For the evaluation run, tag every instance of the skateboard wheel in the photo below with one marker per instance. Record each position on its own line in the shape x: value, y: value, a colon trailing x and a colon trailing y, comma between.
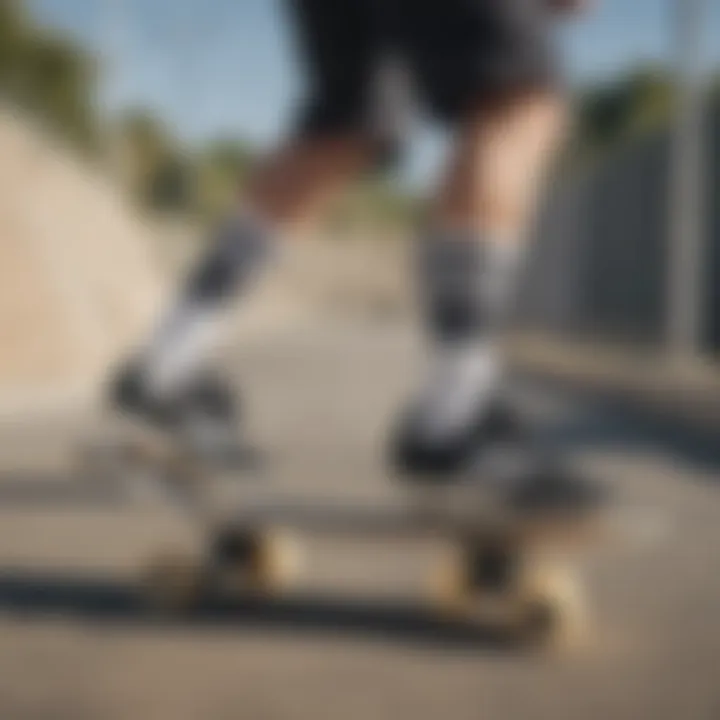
x: 258, y: 561
x: 449, y: 588
x: 534, y: 607
x: 468, y: 574
x: 550, y: 611
x: 174, y: 583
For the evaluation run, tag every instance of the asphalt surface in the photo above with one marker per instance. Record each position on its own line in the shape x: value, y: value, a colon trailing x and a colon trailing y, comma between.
x: 355, y: 642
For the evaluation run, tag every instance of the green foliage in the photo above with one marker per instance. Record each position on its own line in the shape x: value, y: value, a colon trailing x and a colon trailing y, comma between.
x: 56, y: 85
x: 158, y: 172
x: 230, y: 155
x: 46, y: 75
x: 12, y: 45
x: 145, y: 138
x: 377, y: 206
x: 222, y: 168
x: 635, y: 105
x: 52, y: 78
x: 173, y: 185
x: 166, y: 176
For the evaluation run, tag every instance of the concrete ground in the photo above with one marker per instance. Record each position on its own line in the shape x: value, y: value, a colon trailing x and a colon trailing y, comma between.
x: 355, y: 643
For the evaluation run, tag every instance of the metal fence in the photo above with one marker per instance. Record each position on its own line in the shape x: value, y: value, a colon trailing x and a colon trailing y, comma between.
x: 599, y: 267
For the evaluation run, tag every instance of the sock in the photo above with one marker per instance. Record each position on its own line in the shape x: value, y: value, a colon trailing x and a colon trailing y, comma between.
x: 467, y: 284
x: 192, y: 330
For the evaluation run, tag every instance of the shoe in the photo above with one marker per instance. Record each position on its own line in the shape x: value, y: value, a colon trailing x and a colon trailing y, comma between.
x: 414, y: 457
x: 499, y: 455
x: 204, y: 417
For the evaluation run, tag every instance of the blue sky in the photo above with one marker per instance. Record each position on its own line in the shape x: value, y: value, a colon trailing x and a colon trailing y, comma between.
x: 227, y: 66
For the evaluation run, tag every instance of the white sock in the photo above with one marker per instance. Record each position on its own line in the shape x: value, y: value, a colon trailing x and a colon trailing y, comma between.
x: 191, y: 332
x: 184, y: 342
x: 469, y: 287
x: 460, y: 380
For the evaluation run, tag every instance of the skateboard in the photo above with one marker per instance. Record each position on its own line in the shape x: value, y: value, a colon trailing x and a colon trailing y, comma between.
x: 513, y: 573
x: 515, y: 576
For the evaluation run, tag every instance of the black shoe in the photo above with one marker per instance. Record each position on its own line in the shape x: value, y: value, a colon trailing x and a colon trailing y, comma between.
x: 500, y: 454
x: 204, y: 417
x: 206, y: 396
x: 416, y: 459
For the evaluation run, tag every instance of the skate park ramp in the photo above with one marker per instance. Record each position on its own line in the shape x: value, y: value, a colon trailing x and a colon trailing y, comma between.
x: 77, y: 278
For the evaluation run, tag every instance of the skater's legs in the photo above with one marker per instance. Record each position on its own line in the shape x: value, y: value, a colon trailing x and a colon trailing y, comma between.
x: 333, y: 141
x: 287, y: 190
x: 293, y: 185
x: 469, y: 259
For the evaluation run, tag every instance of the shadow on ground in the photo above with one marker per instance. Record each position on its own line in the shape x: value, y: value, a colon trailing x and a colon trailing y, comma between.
x: 589, y: 419
x: 34, y: 596
x: 31, y: 488
x: 599, y: 425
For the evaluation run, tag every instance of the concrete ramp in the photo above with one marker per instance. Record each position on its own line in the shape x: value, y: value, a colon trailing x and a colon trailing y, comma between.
x: 78, y: 282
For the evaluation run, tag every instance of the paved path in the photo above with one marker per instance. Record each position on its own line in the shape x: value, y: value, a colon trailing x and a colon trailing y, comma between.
x: 72, y: 645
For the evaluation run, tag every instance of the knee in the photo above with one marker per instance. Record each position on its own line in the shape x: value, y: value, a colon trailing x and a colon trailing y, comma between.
x: 516, y: 108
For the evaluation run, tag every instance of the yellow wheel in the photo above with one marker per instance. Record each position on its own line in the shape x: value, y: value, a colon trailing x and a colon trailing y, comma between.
x: 531, y: 606
x: 449, y: 587
x: 550, y: 611
x: 258, y: 562
x: 474, y: 578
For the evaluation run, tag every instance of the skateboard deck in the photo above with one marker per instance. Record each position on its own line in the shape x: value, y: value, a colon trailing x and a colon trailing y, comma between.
x: 513, y: 571
x: 516, y: 575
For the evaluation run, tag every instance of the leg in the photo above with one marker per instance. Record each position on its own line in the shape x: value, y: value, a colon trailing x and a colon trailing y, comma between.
x: 508, y: 119
x: 331, y: 145
x: 499, y: 158
x: 498, y: 88
x: 468, y: 267
x: 291, y: 187
x: 168, y: 383
x: 470, y: 259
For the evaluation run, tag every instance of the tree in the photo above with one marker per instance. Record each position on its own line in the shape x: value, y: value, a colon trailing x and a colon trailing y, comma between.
x: 635, y: 105
x: 223, y: 168
x: 12, y: 41
x: 155, y: 168
x: 47, y: 76
x: 57, y: 84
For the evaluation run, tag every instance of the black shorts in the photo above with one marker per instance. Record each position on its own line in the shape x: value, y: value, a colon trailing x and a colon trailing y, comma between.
x: 457, y: 52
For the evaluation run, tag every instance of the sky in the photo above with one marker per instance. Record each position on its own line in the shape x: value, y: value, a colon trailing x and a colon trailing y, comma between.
x: 227, y: 67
